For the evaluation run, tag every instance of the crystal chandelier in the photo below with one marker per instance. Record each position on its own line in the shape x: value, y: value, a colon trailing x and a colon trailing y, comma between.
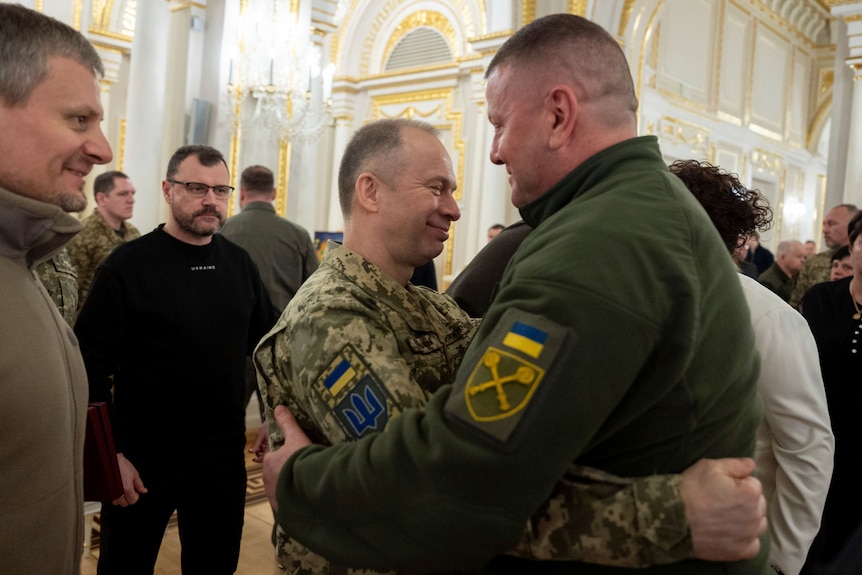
x: 277, y: 78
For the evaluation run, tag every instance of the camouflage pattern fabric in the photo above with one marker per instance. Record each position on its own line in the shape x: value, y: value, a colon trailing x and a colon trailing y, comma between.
x: 413, y: 340
x: 815, y: 271
x: 61, y: 282
x: 596, y: 517
x: 92, y: 245
x: 351, y: 351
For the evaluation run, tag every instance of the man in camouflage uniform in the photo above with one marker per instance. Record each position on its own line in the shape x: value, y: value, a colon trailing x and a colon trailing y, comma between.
x: 358, y: 343
x: 818, y: 267
x: 370, y: 346
x: 58, y: 276
x: 104, y: 229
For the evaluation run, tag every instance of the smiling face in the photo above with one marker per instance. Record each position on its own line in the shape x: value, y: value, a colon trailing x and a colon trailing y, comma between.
x: 418, y: 207
x: 51, y: 142
x: 195, y: 220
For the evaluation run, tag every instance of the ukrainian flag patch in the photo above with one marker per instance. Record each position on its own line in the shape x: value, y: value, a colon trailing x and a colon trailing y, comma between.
x: 501, y: 378
x: 356, y: 397
x: 342, y: 374
x: 526, y: 338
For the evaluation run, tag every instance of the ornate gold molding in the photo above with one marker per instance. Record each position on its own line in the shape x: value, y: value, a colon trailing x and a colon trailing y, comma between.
x: 578, y: 7
x: 121, y: 152
x: 491, y: 36
x: 677, y: 131
x: 528, y: 12
x: 626, y: 13
x: 766, y: 160
x: 102, y: 10
x: 77, y: 14
x: 427, y: 19
x: 283, y: 180
x: 187, y: 5
x: 420, y: 70
x: 105, y: 33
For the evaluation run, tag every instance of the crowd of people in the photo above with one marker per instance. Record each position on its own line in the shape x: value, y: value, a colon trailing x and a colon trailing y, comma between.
x: 545, y: 413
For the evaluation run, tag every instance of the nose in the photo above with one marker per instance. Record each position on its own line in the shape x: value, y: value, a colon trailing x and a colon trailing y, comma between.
x: 449, y: 207
x: 210, y: 197
x: 495, y: 152
x: 97, y: 147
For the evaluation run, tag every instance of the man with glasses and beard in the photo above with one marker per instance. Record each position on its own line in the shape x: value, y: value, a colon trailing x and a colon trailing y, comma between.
x: 168, y: 324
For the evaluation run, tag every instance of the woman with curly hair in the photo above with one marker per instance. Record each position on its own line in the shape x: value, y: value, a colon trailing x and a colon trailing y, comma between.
x: 794, y: 441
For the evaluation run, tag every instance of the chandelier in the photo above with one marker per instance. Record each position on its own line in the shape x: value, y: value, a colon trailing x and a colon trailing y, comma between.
x: 277, y: 77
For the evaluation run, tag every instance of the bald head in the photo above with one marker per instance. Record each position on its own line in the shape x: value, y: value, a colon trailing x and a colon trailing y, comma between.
x: 790, y: 255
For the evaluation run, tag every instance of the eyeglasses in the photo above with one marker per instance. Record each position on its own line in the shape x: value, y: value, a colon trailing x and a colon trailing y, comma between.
x: 199, y: 190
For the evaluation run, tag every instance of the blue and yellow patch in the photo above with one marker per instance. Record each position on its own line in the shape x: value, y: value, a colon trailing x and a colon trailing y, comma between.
x: 353, y: 393
x: 498, y: 382
x: 526, y: 339
x: 500, y: 385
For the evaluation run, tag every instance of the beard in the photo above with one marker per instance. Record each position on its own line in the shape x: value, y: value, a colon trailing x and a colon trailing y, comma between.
x: 72, y: 202
x: 190, y: 223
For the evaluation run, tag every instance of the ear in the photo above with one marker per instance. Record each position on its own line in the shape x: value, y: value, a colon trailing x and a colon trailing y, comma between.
x: 562, y: 103
x: 367, y: 192
x: 166, y: 190
x: 100, y: 199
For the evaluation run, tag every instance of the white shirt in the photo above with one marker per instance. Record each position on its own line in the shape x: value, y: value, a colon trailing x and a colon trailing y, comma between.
x: 795, y: 445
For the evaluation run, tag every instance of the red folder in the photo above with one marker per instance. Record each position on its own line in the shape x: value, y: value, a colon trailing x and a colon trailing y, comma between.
x: 102, y: 479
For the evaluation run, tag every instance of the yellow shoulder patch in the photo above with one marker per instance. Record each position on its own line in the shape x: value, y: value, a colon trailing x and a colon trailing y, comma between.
x: 501, y: 378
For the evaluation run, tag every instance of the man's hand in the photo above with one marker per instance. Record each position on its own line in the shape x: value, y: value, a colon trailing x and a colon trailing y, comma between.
x: 725, y: 507
x: 273, y: 461
x: 132, y: 483
x: 260, y: 446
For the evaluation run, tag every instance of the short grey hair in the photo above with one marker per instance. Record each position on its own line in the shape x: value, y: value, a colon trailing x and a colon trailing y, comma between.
x: 27, y: 40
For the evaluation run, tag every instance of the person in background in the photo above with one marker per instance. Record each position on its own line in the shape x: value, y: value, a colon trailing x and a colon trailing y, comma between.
x: 743, y: 264
x: 165, y: 332
x: 795, y: 444
x: 842, y: 265
x: 104, y: 229
x: 551, y: 380
x: 50, y: 139
x: 818, y: 267
x: 781, y: 275
x: 834, y: 312
x: 475, y: 286
x: 494, y: 231
x: 282, y: 250
x: 425, y: 275
x: 761, y: 257
x: 810, y: 248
